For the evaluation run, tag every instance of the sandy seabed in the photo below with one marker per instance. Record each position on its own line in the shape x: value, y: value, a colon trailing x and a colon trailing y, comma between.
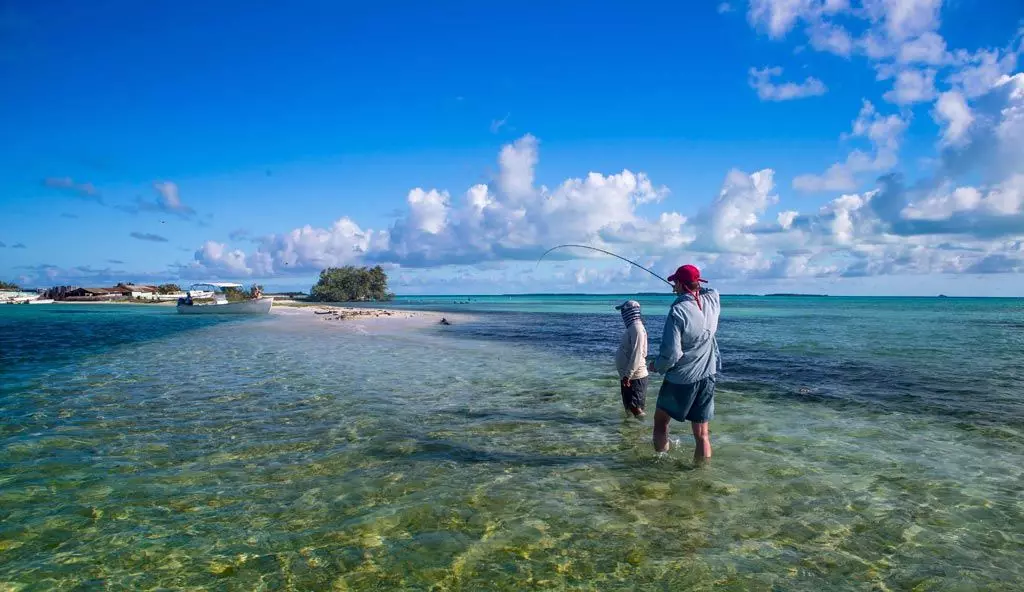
x: 393, y: 319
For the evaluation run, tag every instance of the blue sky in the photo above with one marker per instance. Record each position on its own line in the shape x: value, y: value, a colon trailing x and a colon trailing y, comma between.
x: 179, y: 141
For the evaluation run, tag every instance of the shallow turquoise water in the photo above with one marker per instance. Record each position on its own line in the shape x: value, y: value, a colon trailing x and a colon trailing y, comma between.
x: 860, y: 444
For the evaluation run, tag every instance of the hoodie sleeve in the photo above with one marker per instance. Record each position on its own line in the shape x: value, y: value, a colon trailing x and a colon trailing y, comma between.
x: 671, y: 344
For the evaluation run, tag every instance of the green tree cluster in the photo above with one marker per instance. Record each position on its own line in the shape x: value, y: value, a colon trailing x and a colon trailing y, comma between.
x: 345, y: 284
x: 238, y: 294
x: 9, y: 286
x: 167, y: 289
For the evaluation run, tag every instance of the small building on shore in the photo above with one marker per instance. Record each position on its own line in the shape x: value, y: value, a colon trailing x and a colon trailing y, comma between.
x: 93, y: 294
x: 138, y: 292
x: 123, y: 291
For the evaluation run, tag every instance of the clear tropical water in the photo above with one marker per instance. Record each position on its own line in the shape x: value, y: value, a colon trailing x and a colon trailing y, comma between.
x: 860, y: 444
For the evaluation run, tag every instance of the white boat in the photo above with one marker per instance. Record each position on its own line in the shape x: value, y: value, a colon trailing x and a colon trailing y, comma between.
x: 219, y: 301
x: 10, y: 297
x: 256, y: 306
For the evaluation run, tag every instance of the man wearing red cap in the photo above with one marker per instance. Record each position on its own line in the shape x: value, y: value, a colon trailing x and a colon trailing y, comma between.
x: 689, y: 360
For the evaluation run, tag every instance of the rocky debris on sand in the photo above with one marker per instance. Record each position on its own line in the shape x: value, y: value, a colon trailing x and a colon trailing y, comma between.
x: 340, y: 315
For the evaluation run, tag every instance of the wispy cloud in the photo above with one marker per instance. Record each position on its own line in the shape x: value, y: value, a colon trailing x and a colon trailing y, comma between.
x: 115, y: 261
x: 724, y: 8
x: 239, y: 234
x: 46, y: 274
x: 888, y: 33
x: 71, y: 216
x: 18, y: 246
x: 3, y: 245
x: 68, y: 185
x: 497, y: 124
x: 767, y: 90
x: 167, y: 201
x: 883, y: 132
x: 912, y: 86
x: 145, y: 236
x: 831, y: 38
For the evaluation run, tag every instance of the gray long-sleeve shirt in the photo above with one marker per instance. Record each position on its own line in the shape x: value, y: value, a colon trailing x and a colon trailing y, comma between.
x: 689, y: 349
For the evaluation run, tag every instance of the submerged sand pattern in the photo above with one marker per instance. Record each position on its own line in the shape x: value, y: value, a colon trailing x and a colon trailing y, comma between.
x: 280, y: 455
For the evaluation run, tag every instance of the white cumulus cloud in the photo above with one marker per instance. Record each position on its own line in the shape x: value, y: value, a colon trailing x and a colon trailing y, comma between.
x: 219, y: 259
x: 935, y: 225
x: 831, y: 38
x: 912, y: 86
x: 883, y: 132
x: 993, y: 140
x: 952, y: 112
x: 727, y: 224
x: 929, y: 49
x: 767, y: 90
x: 778, y: 17
x: 904, y: 19
x: 978, y: 72
x: 510, y: 218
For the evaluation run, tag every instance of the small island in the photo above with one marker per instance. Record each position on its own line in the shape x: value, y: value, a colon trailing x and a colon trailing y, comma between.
x: 351, y: 284
x: 357, y: 285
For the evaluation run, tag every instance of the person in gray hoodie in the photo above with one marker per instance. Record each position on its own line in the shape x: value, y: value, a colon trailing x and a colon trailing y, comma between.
x: 631, y: 360
x: 689, y: 360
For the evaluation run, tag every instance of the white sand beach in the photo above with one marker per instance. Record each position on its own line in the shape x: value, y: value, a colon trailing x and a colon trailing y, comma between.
x: 363, y: 317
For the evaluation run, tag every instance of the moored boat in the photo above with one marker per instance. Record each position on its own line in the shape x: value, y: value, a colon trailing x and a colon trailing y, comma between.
x: 15, y: 297
x: 219, y: 304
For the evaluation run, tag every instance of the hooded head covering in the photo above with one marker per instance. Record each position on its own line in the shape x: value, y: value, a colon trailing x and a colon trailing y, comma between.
x: 630, y: 311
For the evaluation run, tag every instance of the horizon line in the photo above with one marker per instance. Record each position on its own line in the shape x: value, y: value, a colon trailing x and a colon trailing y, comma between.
x: 744, y: 294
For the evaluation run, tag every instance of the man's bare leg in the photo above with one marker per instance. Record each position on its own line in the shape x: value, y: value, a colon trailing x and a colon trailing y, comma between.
x: 661, y: 419
x: 702, y: 437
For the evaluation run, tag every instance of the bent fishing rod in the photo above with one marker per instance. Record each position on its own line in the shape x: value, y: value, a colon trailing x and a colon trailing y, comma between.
x: 606, y: 253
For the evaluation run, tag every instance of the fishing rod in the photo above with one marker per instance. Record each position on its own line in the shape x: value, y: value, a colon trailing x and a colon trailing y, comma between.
x: 606, y: 253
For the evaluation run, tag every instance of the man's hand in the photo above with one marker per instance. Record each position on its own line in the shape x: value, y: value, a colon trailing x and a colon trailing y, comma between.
x: 625, y: 381
x: 650, y: 367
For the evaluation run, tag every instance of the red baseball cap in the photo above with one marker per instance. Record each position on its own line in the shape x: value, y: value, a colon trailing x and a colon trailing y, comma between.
x: 687, y: 274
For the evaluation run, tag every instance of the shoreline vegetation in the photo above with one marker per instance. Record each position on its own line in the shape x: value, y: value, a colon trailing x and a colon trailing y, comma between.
x: 327, y: 299
x: 351, y: 284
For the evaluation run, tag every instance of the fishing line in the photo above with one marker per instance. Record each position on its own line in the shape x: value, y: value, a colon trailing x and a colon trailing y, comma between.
x: 606, y: 253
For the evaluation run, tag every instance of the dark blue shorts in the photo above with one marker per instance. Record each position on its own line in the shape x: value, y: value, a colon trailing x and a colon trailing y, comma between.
x: 688, y: 402
x: 634, y: 397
